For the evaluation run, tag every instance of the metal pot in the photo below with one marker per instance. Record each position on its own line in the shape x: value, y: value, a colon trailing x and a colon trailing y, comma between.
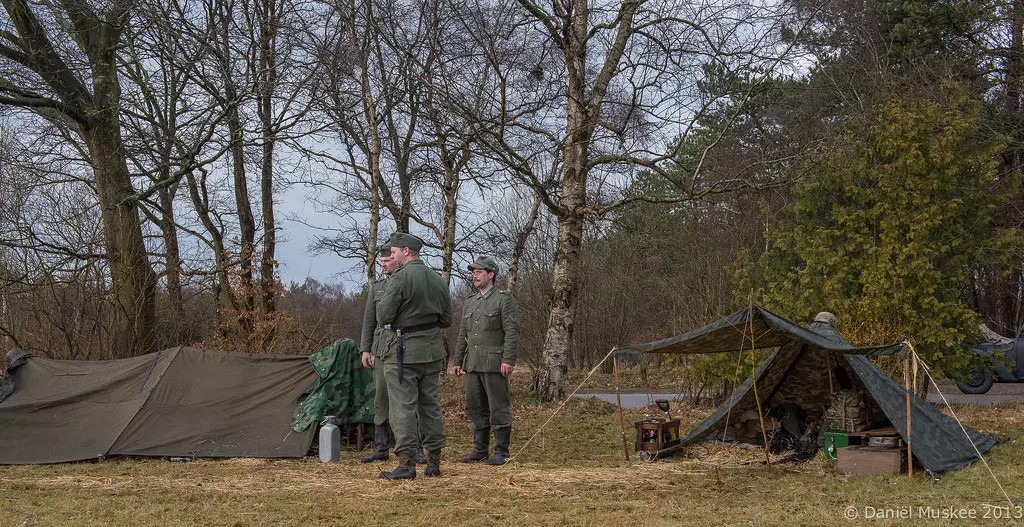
x: 884, y: 441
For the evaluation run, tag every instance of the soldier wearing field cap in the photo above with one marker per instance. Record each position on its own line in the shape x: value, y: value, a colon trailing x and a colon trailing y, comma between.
x: 369, y: 346
x: 485, y: 355
x: 413, y: 311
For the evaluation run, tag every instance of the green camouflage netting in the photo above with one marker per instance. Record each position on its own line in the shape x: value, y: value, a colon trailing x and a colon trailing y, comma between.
x: 344, y: 388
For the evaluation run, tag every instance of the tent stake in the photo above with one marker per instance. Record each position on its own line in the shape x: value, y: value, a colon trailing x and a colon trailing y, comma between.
x: 753, y: 379
x: 618, y: 399
x: 910, y: 457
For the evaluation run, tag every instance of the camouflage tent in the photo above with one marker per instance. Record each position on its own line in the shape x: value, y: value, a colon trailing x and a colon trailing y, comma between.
x: 807, y: 366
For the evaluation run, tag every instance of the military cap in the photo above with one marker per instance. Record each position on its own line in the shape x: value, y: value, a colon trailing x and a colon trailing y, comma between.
x: 406, y: 241
x: 384, y: 250
x: 485, y: 263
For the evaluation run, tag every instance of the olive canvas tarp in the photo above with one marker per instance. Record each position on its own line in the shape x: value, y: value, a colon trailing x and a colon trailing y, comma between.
x: 177, y: 402
x: 808, y: 364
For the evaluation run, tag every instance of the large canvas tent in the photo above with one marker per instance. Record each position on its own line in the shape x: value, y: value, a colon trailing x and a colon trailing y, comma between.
x: 800, y: 370
x: 177, y: 402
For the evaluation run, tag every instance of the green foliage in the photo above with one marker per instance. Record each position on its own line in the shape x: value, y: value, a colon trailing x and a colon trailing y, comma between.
x: 890, y: 227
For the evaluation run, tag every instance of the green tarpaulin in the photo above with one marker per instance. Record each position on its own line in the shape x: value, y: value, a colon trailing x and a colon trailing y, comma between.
x: 343, y: 388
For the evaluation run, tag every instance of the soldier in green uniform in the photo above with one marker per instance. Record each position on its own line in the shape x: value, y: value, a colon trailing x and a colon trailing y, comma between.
x: 369, y: 345
x: 415, y: 308
x: 485, y: 354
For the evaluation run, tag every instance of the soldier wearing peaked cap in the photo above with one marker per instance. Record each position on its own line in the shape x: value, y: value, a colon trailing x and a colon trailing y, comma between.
x: 369, y: 346
x: 485, y: 355
x: 415, y: 308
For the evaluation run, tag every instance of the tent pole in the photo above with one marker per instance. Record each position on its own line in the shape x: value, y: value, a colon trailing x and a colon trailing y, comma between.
x: 910, y: 457
x: 618, y: 399
x: 753, y: 379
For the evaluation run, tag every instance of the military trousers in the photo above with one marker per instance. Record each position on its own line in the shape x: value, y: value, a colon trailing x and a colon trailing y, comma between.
x: 415, y: 408
x: 487, y: 400
x: 380, y: 394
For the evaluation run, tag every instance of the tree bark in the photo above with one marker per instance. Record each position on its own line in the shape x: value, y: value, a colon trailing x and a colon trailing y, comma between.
x: 268, y: 83
x: 558, y: 338
x: 131, y: 273
x: 1011, y: 156
x: 370, y: 112
x: 243, y: 203
x: 172, y: 252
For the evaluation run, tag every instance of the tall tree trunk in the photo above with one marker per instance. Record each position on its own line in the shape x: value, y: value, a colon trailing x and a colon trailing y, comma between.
x: 565, y: 274
x: 98, y: 121
x: 451, y: 211
x: 268, y: 78
x: 223, y: 290
x: 558, y: 339
x: 131, y: 273
x: 372, y: 124
x: 246, y: 221
x: 1011, y: 157
x: 243, y: 204
x: 172, y: 252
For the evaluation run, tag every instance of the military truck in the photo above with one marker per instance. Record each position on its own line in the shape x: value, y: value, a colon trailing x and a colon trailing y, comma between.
x: 997, y: 362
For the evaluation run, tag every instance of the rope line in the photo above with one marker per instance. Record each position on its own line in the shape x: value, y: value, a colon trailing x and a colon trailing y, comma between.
x: 928, y: 372
x: 560, y: 406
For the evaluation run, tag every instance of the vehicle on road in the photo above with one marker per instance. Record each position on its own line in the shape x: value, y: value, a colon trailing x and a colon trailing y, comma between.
x: 998, y: 362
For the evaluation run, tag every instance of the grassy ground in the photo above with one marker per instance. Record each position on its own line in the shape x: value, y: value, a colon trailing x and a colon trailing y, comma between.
x: 572, y: 473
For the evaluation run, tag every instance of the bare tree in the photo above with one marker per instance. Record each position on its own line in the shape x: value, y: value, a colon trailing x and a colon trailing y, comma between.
x: 606, y: 90
x: 62, y: 63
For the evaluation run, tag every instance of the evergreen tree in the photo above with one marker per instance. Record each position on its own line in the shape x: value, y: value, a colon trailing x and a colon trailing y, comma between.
x: 892, y: 224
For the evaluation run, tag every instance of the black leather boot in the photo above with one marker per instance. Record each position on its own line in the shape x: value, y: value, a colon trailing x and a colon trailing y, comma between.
x: 481, y: 446
x: 433, y: 464
x: 380, y: 444
x: 420, y: 458
x: 502, y: 438
x: 406, y: 469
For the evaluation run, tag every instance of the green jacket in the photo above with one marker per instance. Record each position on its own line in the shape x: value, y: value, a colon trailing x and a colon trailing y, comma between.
x: 415, y: 295
x: 489, y: 335
x: 371, y: 331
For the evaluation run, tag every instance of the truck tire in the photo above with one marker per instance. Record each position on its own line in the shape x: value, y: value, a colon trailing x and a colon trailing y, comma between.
x: 977, y: 382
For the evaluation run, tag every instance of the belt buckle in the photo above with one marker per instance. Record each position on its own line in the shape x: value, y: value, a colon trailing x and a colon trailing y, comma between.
x: 387, y: 326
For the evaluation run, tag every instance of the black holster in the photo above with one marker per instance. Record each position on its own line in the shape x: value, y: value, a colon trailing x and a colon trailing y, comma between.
x: 400, y: 354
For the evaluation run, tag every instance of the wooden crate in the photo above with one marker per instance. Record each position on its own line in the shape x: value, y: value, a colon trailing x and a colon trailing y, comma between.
x: 871, y: 460
x: 660, y: 434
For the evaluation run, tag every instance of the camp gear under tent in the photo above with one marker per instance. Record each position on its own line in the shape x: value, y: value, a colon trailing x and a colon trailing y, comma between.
x: 177, y: 402
x: 800, y: 371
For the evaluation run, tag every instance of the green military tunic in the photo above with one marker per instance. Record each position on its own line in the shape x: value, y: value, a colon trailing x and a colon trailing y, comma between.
x: 415, y: 295
x: 488, y: 337
x: 370, y: 343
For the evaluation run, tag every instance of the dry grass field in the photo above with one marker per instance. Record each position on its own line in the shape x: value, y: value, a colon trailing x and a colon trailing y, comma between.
x: 573, y: 473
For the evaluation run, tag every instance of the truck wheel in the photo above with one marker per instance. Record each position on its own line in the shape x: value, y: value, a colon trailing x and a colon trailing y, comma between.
x: 977, y: 382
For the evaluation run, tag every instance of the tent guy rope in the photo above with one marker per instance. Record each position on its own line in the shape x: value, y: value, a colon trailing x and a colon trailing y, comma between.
x: 927, y: 371
x: 560, y: 406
